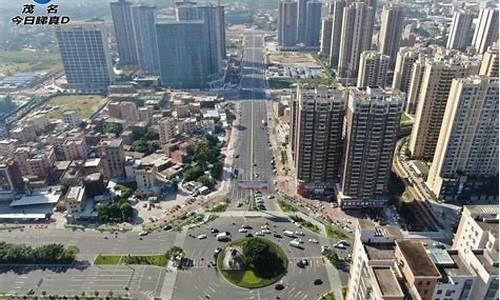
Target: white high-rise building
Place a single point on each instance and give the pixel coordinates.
(370, 133)
(460, 30)
(357, 29)
(389, 37)
(84, 52)
(466, 155)
(486, 32)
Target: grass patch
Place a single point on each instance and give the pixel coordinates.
(194, 219)
(285, 207)
(160, 260)
(248, 278)
(85, 105)
(405, 118)
(74, 227)
(284, 158)
(107, 260)
(344, 292)
(332, 232)
(28, 61)
(221, 207)
(329, 296)
(306, 224)
(252, 206)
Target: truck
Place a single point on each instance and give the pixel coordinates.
(289, 233)
(295, 244)
(223, 236)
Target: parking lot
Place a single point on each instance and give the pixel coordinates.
(141, 282)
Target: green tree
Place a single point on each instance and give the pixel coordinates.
(193, 173)
(254, 251)
(216, 171)
(113, 128)
(207, 181)
(127, 211)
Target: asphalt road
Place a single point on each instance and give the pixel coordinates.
(202, 281)
(253, 146)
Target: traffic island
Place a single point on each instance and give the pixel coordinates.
(252, 263)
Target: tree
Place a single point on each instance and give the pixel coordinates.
(127, 211)
(254, 251)
(140, 146)
(193, 173)
(207, 181)
(216, 171)
(113, 128)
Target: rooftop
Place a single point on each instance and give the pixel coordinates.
(381, 251)
(417, 258)
(387, 282)
(50, 195)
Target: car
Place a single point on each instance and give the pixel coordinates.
(324, 249)
(314, 241)
(143, 233)
(270, 197)
(302, 263)
(300, 233)
(266, 231)
(214, 230)
(167, 227)
(317, 281)
(242, 230)
(246, 226)
(217, 251)
(202, 236)
(236, 156)
(278, 236)
(259, 233)
(279, 287)
(240, 204)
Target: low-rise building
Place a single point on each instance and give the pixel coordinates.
(75, 199)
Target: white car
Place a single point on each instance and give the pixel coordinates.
(259, 233)
(266, 231)
(314, 241)
(242, 230)
(299, 240)
(202, 236)
(299, 233)
(143, 233)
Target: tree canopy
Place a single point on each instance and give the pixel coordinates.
(46, 254)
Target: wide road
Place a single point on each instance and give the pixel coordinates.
(253, 145)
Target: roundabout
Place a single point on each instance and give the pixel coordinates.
(252, 263)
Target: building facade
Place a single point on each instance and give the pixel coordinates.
(438, 74)
(465, 163)
(213, 16)
(486, 32)
(143, 23)
(313, 24)
(357, 29)
(337, 20)
(124, 32)
(373, 68)
(186, 63)
(389, 38)
(326, 36)
(371, 129)
(287, 23)
(460, 30)
(319, 119)
(84, 53)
